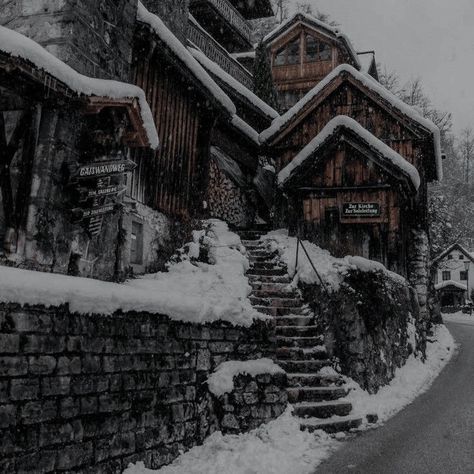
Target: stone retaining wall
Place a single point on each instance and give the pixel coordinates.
(93, 393)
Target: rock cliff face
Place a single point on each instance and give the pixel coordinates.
(371, 325)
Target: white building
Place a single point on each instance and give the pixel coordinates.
(454, 276)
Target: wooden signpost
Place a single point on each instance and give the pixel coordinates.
(96, 187)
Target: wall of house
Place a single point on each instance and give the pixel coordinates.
(172, 180)
(382, 237)
(93, 393)
(293, 81)
(95, 38)
(455, 266)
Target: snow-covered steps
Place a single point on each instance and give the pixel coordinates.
(315, 394)
(334, 424)
(313, 380)
(322, 409)
(302, 366)
(296, 331)
(276, 302)
(315, 391)
(299, 353)
(309, 342)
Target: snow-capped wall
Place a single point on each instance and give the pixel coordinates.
(92, 393)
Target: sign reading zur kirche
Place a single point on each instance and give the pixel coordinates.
(361, 209)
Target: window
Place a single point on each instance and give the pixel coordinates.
(290, 54)
(446, 276)
(461, 256)
(450, 257)
(317, 50)
(136, 246)
(463, 275)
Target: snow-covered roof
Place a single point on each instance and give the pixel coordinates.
(246, 129)
(366, 61)
(455, 246)
(18, 45)
(373, 142)
(312, 22)
(447, 283)
(217, 71)
(181, 52)
(367, 81)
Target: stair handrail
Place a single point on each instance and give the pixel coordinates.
(299, 243)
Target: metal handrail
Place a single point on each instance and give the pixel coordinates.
(299, 243)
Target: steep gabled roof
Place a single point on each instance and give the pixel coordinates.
(234, 84)
(455, 246)
(289, 119)
(19, 46)
(312, 22)
(337, 126)
(185, 57)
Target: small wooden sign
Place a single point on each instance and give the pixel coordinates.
(361, 209)
(101, 191)
(100, 169)
(81, 214)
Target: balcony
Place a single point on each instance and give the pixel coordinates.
(214, 51)
(224, 23)
(253, 9)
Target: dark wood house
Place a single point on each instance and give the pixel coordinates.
(352, 194)
(303, 51)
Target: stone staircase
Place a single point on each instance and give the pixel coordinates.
(316, 394)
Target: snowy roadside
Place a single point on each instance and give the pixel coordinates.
(281, 448)
(459, 317)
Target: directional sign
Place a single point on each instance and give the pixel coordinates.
(81, 214)
(100, 169)
(113, 190)
(361, 209)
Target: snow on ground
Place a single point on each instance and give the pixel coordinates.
(18, 45)
(190, 291)
(281, 448)
(221, 380)
(410, 381)
(331, 269)
(276, 448)
(459, 317)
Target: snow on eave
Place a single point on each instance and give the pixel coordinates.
(178, 48)
(444, 284)
(244, 55)
(217, 71)
(373, 142)
(287, 118)
(452, 247)
(20, 46)
(244, 128)
(311, 21)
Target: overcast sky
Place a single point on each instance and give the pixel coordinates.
(432, 39)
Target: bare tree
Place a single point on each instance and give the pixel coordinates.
(466, 147)
(281, 9)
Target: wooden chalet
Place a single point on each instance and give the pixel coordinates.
(353, 161)
(351, 193)
(303, 51)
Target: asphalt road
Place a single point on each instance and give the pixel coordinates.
(435, 434)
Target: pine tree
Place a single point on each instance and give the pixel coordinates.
(263, 80)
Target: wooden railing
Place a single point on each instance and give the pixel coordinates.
(231, 14)
(215, 52)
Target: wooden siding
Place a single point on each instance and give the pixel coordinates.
(170, 179)
(345, 176)
(346, 98)
(306, 74)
